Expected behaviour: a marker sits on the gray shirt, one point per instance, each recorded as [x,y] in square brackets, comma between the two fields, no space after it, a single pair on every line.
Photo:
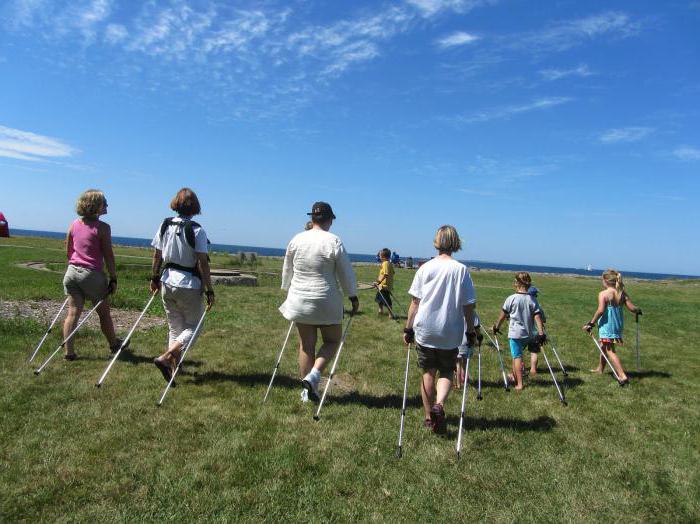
[521,308]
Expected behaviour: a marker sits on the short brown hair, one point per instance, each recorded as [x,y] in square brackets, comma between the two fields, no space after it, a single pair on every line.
[186,203]
[90,203]
[385,253]
[522,279]
[447,240]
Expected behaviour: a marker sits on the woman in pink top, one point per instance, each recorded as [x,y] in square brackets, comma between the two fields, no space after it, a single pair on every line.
[89,247]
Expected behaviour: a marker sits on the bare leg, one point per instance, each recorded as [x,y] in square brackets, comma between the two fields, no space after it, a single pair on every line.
[331,339]
[106,324]
[427,390]
[533,364]
[518,373]
[75,308]
[457,380]
[615,361]
[307,347]
[601,365]
[443,388]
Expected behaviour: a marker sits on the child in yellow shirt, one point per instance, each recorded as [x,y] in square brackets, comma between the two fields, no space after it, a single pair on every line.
[385,282]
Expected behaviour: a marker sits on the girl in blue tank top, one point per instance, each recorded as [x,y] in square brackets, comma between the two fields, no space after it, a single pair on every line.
[610,321]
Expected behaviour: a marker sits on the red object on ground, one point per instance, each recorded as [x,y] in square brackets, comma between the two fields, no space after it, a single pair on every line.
[4,226]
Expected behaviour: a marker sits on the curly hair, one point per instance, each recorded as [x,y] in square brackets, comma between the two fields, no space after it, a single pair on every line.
[90,203]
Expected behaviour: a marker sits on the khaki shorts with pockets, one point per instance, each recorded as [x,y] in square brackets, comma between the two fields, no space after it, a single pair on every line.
[86,283]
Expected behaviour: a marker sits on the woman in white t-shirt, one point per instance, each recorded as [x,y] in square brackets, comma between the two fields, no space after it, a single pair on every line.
[443,302]
[180,267]
[316,267]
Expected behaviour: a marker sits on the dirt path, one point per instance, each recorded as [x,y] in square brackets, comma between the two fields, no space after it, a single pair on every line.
[44,310]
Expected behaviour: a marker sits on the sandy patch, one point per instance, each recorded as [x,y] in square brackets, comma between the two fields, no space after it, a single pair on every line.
[44,310]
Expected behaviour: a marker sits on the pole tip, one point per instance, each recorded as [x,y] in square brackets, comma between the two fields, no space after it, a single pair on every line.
[316,418]
[36,371]
[564,403]
[98,385]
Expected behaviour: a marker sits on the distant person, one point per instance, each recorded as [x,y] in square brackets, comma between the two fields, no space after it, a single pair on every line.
[89,249]
[611,321]
[535,348]
[378,257]
[181,273]
[466,351]
[395,259]
[316,268]
[524,313]
[442,302]
[4,227]
[384,282]
[409,262]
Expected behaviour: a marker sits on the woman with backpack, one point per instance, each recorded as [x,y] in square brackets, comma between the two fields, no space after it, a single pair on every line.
[181,273]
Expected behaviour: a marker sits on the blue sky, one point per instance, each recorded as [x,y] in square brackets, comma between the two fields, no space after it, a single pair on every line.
[548,132]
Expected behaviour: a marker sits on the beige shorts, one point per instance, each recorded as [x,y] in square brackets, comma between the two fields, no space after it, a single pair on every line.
[86,283]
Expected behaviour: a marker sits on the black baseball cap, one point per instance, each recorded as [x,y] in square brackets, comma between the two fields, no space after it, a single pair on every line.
[321,210]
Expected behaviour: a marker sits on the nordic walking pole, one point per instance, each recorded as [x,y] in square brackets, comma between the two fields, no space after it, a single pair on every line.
[87,315]
[554,350]
[399,450]
[639,363]
[461,416]
[279,359]
[551,372]
[494,341]
[41,342]
[478,390]
[394,299]
[393,316]
[606,359]
[182,357]
[125,342]
[335,361]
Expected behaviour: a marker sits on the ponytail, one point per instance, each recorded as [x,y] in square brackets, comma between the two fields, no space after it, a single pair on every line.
[614,278]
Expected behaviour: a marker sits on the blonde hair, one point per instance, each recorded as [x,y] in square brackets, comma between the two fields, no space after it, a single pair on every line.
[90,203]
[522,279]
[447,240]
[614,278]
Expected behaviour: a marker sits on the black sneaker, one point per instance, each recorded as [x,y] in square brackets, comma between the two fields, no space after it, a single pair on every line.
[437,416]
[113,349]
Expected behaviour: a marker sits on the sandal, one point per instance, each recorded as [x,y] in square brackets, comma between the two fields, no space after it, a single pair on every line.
[70,357]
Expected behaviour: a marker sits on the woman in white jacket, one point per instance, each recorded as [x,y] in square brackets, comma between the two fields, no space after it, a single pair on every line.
[316,267]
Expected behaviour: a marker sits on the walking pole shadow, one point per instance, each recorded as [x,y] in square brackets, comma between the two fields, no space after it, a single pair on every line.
[571,383]
[539,424]
[648,374]
[245,379]
[391,401]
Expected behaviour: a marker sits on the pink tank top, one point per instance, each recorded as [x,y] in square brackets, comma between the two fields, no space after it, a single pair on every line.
[84,248]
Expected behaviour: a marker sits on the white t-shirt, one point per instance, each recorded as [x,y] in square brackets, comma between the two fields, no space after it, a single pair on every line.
[443,286]
[521,308]
[175,249]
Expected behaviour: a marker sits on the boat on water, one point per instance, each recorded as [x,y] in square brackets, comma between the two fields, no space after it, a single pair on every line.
[589,267]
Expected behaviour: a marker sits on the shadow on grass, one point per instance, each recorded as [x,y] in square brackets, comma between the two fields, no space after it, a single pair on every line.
[543,380]
[249,379]
[542,423]
[649,374]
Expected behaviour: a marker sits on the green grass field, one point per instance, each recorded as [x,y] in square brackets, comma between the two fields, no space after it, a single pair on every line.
[213,451]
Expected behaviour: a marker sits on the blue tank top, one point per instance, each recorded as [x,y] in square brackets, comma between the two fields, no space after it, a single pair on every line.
[611,322]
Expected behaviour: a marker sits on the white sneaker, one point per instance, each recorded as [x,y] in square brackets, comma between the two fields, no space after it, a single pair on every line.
[311,386]
[304,395]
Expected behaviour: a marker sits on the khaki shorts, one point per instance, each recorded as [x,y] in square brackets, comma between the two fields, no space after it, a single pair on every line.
[86,283]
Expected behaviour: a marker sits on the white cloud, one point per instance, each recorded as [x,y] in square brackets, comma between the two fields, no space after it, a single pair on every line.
[429,8]
[687,153]
[115,33]
[508,111]
[24,145]
[625,134]
[557,74]
[570,33]
[456,39]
